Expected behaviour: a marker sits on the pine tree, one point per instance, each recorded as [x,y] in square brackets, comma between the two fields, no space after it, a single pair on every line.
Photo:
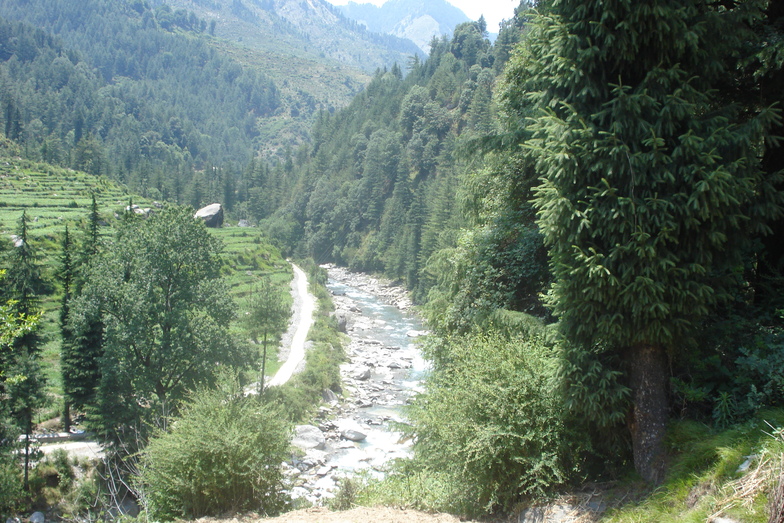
[82,334]
[24,380]
[24,280]
[66,280]
[650,183]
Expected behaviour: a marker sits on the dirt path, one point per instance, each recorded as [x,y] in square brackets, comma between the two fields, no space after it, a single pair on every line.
[304,306]
[356,515]
[78,449]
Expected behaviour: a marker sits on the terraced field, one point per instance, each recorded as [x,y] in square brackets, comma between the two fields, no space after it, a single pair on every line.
[53,197]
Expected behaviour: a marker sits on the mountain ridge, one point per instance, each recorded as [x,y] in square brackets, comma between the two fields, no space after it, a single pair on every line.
[417,20]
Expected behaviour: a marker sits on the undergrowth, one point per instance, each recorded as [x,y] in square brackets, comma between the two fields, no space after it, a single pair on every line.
[734,473]
[737,473]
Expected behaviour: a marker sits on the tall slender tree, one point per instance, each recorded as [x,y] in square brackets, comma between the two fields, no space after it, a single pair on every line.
[266,314]
[650,185]
[24,281]
[66,280]
[24,384]
[82,333]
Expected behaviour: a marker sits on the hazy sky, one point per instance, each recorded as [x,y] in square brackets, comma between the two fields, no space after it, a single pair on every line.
[494,10]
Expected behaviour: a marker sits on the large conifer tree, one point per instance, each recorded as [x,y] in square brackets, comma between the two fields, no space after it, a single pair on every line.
[83,332]
[650,183]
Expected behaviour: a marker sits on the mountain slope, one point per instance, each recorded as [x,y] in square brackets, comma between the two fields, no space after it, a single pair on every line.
[417,20]
[301,29]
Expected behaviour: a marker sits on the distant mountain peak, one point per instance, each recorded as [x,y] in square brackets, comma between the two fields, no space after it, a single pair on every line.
[417,20]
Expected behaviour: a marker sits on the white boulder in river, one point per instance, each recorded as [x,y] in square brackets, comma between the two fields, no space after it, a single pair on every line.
[353,435]
[308,437]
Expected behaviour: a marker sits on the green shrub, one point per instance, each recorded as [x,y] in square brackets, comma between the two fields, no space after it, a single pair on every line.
[491,424]
[11,494]
[222,454]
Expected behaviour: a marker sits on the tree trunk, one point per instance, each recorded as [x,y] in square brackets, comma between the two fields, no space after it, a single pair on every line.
[648,420]
[28,430]
[263,364]
[67,416]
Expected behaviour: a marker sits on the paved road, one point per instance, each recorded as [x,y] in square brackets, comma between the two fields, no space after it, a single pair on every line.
[305,303]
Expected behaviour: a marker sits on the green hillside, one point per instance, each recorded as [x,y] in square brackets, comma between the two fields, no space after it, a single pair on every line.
[54,197]
[588,212]
[156,97]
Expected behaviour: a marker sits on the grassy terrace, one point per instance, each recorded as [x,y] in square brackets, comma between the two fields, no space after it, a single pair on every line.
[53,197]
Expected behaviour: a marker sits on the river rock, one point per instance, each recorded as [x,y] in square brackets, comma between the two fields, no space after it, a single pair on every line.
[323,471]
[211,214]
[37,517]
[363,373]
[342,318]
[328,396]
[308,437]
[353,435]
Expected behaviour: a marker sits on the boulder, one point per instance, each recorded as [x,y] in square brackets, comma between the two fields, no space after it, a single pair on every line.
[353,435]
[342,318]
[362,374]
[328,396]
[308,437]
[243,223]
[138,210]
[129,507]
[37,517]
[212,215]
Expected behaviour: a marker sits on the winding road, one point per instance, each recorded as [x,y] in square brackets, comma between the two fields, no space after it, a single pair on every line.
[302,319]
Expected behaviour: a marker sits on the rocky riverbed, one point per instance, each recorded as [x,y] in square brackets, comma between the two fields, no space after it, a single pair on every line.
[356,430]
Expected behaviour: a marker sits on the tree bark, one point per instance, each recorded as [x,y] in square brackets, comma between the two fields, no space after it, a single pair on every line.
[67,416]
[648,420]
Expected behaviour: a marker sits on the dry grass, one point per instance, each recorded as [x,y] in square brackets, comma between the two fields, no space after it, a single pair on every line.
[776,497]
[767,478]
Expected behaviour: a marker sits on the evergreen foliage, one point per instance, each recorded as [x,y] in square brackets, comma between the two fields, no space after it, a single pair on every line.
[82,335]
[650,182]
[110,90]
[24,278]
[377,190]
[13,381]
[24,383]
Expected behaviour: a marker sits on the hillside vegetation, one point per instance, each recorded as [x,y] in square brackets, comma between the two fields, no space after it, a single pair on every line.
[588,210]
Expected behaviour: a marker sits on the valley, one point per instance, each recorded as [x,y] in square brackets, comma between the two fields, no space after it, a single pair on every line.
[583,214]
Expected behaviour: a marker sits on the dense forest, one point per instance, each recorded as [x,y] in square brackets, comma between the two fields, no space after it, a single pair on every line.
[589,212]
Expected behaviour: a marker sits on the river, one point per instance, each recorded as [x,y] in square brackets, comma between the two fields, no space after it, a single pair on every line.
[383,372]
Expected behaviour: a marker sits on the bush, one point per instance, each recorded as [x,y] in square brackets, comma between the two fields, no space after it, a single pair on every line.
[11,494]
[491,424]
[222,454]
